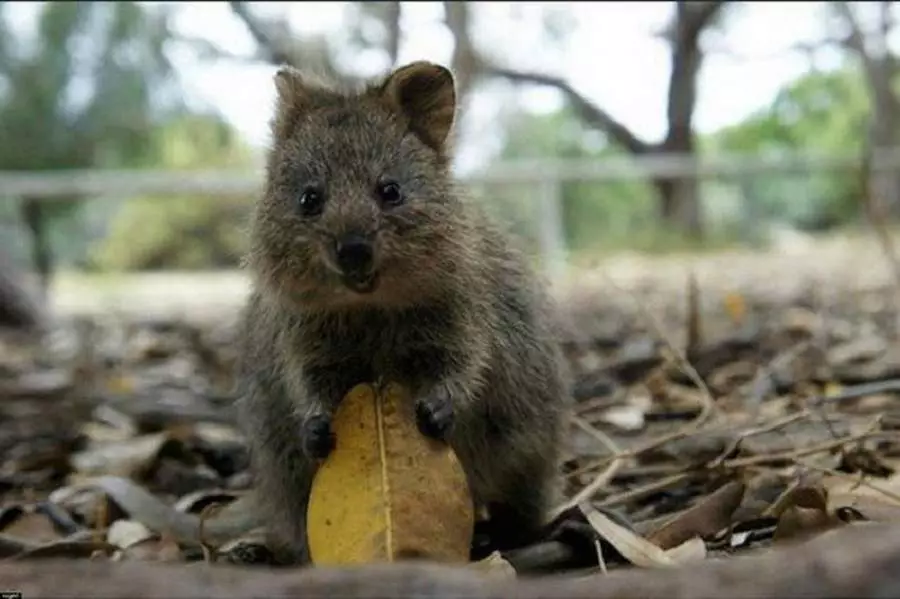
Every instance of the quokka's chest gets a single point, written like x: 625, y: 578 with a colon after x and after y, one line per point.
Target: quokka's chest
x: 380, y: 338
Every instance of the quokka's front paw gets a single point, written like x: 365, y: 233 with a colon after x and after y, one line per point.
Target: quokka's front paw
x: 434, y: 413
x: 318, y: 439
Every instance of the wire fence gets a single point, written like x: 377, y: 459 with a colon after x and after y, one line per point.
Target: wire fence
x: 562, y: 208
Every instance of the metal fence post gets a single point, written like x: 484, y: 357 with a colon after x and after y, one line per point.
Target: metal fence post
x: 551, y: 229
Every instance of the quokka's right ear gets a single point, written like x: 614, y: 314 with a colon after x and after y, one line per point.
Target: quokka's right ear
x: 425, y: 93
x: 294, y: 96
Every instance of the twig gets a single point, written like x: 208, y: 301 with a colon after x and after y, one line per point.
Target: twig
x: 694, y: 332
x: 634, y: 471
x: 709, y: 405
x: 636, y: 451
x: 861, y: 390
x: 799, y: 453
x: 603, y: 478
x: 275, y: 52
x: 766, y: 428
x: 671, y: 481
x: 649, y: 488
x: 861, y: 481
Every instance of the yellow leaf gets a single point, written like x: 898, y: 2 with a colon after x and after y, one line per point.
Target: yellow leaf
x: 387, y: 492
x: 735, y: 306
x: 121, y: 384
x: 831, y: 389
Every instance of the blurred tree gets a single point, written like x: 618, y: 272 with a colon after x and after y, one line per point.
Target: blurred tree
x: 879, y: 65
x: 280, y: 46
x: 821, y: 113
x: 182, y: 232
x: 593, y: 214
x: 376, y: 26
x: 84, y: 95
x: 678, y: 202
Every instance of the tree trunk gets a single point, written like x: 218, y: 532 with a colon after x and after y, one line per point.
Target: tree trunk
x: 464, y: 60
x: 392, y: 23
x: 880, y: 68
x: 679, y: 207
x: 18, y: 309
x: 679, y: 201
x: 34, y: 215
x: 883, y: 135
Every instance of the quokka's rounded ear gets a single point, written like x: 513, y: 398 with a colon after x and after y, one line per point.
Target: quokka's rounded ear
x: 295, y: 93
x: 425, y: 93
x: 288, y: 81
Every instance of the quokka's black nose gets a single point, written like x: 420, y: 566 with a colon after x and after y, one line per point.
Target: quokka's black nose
x: 354, y: 254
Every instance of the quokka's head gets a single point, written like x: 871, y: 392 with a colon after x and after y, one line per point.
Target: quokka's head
x: 359, y: 206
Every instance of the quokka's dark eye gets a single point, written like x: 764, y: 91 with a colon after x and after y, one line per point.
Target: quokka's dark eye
x: 311, y: 201
x: 389, y: 193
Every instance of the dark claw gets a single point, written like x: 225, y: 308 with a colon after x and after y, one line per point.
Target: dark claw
x: 318, y: 440
x: 434, y: 414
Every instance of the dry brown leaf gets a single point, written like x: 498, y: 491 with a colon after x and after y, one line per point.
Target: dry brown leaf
x: 804, y: 512
x: 387, y: 492
x: 125, y: 533
x: 706, y: 518
x: 234, y: 518
x: 875, y: 499
x: 32, y: 526
x: 692, y: 550
x: 633, y: 547
x: 496, y: 566
x: 162, y: 549
x: 123, y: 458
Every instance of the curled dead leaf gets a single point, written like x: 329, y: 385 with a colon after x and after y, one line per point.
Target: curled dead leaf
x: 387, y: 492
x: 706, y: 518
x: 874, y: 499
x: 803, y: 511
x: 125, y: 533
x: 496, y: 566
x: 692, y: 550
x: 122, y: 458
x: 636, y: 549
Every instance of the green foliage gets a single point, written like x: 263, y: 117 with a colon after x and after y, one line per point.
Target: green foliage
x: 85, y: 94
x: 187, y: 233
x: 594, y: 214
x: 823, y: 113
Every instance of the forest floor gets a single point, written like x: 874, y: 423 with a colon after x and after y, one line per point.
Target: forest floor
x: 724, y: 402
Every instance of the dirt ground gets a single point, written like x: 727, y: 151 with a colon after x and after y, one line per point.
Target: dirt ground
x: 825, y: 267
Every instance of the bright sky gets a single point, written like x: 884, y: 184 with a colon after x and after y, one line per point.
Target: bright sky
x: 611, y: 57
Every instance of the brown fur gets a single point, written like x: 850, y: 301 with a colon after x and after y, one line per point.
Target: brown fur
x: 457, y: 314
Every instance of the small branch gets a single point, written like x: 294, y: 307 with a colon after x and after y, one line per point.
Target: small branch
x: 861, y: 482
x: 208, y: 50
x: 696, y: 16
x: 873, y: 209
x: 273, y: 50
x: 604, y: 477
x: 687, y: 368
x: 648, y: 489
x: 392, y: 24
x: 587, y: 110
x: 759, y: 430
x: 806, y: 451
x: 464, y: 60
x: 861, y: 390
